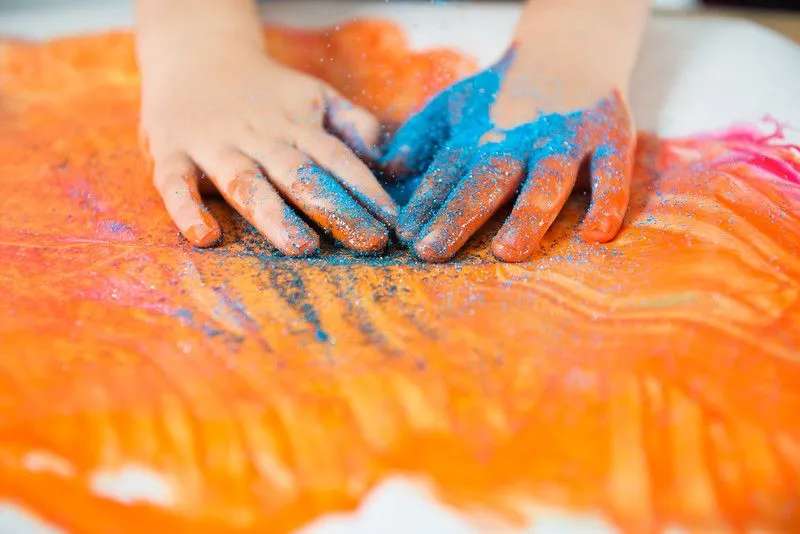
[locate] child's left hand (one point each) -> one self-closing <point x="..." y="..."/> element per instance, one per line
<point x="495" y="134"/>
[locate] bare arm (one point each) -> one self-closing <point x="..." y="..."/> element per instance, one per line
<point x="168" y="28"/>
<point x="583" y="48"/>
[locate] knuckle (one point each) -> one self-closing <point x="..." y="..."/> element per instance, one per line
<point x="291" y="132"/>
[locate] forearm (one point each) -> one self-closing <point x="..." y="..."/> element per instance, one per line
<point x="163" y="26"/>
<point x="594" y="39"/>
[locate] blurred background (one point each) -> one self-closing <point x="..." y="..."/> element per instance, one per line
<point x="780" y="15"/>
<point x="787" y="5"/>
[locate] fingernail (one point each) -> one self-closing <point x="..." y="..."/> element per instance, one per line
<point x="302" y="250"/>
<point x="368" y="240"/>
<point x="304" y="243"/>
<point x="202" y="236"/>
<point x="508" y="252"/>
<point x="431" y="248"/>
<point x="599" y="230"/>
<point x="604" y="225"/>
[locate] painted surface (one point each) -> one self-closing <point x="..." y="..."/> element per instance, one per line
<point x="145" y="384"/>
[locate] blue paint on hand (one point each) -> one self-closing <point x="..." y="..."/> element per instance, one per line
<point x="450" y="150"/>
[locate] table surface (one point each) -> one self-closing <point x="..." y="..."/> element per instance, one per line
<point x="786" y="23"/>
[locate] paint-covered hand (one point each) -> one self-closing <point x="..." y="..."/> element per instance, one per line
<point x="480" y="143"/>
<point x="263" y="135"/>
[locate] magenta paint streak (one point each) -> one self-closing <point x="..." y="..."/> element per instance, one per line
<point x="747" y="143"/>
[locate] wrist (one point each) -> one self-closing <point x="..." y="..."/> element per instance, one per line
<point x="175" y="29"/>
<point x="587" y="41"/>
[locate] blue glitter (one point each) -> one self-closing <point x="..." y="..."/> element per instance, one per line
<point x="458" y="117"/>
<point x="446" y="145"/>
<point x="462" y="166"/>
<point x="184" y="314"/>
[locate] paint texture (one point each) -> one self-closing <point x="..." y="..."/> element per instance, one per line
<point x="654" y="380"/>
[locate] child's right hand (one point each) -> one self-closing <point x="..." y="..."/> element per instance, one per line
<point x="257" y="131"/>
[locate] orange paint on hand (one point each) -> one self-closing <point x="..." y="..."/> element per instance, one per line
<point x="654" y="379"/>
<point x="474" y="200"/>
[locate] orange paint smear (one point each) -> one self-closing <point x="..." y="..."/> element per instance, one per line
<point x="371" y="64"/>
<point x="654" y="379"/>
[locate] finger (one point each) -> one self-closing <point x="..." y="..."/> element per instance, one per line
<point x="317" y="194"/>
<point x="175" y="178"/>
<point x="489" y="184"/>
<point x="610" y="172"/>
<point x="549" y="184"/>
<point x="437" y="183"/>
<point x="418" y="140"/>
<point x="334" y="156"/>
<point x="354" y="125"/>
<point x="245" y="188"/>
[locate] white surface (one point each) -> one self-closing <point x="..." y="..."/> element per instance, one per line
<point x="133" y="484"/>
<point x="45" y="462"/>
<point x="696" y="75"/>
<point x="16" y="520"/>
<point x="693" y="75"/>
<point x="398" y="506"/>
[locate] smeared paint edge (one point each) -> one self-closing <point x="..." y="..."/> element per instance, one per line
<point x="399" y="506"/>
<point x="46" y="462"/>
<point x="15" y="519"/>
<point x="769" y="131"/>
<point x="133" y="484"/>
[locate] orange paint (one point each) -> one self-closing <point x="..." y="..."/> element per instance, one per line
<point x="655" y="379"/>
<point x="492" y="185"/>
<point x="365" y="54"/>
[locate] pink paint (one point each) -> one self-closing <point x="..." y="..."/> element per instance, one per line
<point x="747" y="143"/>
<point x="748" y="133"/>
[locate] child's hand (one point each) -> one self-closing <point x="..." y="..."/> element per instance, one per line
<point x="526" y="125"/>
<point x="257" y="131"/>
<point x="477" y="149"/>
